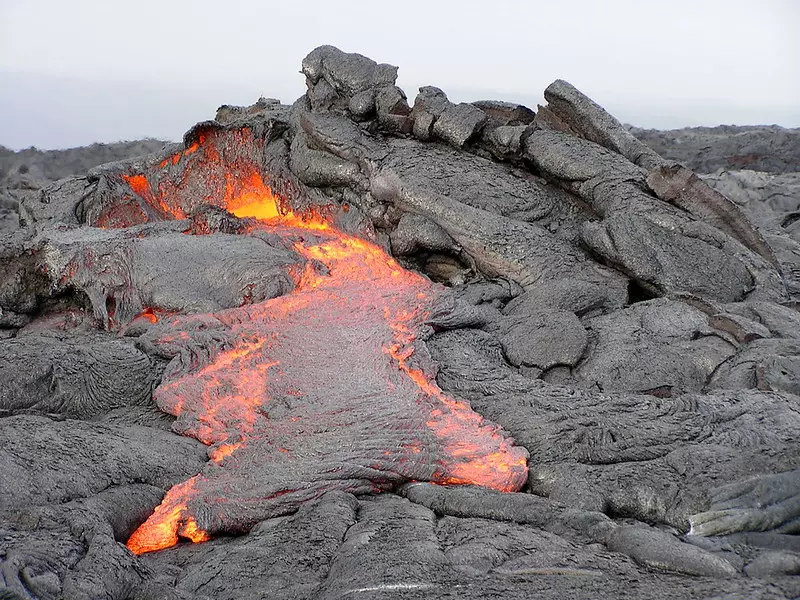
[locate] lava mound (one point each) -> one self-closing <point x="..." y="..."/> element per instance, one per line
<point x="369" y="348"/>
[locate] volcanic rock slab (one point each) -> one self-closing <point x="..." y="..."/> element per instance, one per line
<point x="304" y="338"/>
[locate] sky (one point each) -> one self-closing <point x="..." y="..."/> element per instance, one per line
<point x="79" y="71"/>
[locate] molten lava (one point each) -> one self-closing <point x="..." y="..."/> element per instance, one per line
<point x="320" y="389"/>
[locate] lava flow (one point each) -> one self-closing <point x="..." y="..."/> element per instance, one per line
<point x="317" y="390"/>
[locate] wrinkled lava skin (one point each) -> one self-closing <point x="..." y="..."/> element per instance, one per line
<point x="317" y="390"/>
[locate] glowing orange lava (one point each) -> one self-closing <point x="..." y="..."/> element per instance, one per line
<point x="148" y="315"/>
<point x="168" y="522"/>
<point x="361" y="305"/>
<point x="141" y="186"/>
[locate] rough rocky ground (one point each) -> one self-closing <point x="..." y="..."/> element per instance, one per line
<point x="25" y="172"/>
<point x="634" y="330"/>
<point x="770" y="149"/>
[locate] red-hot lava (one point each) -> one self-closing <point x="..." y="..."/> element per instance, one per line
<point x="319" y="389"/>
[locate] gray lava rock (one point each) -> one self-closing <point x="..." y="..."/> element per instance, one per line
<point x="429" y="104"/>
<point x="415" y="232"/>
<point x="592" y="121"/>
<point x="337" y="79"/>
<point x="284" y="558"/>
<point x="638" y="456"/>
<point x="504" y="142"/>
<point x="459" y="123"/>
<point x="78" y="376"/>
<point x="573" y="295"/>
<point x="124" y="271"/>
<point x="502" y="114"/>
<point x="435" y="117"/>
<point x="543" y="339"/>
<point x="659" y="346"/>
<point x="767" y="364"/>
<point x="763" y="503"/>
<point x="662" y="249"/>
<point x="393" y="110"/>
<point x="774" y="564"/>
<point x="781" y="321"/>
<point x="659" y="550"/>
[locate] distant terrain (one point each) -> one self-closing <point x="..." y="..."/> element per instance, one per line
<point x="770" y="148"/>
<point x="51" y="165"/>
<point x="27" y="171"/>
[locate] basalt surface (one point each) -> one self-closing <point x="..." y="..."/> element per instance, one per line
<point x="358" y="347"/>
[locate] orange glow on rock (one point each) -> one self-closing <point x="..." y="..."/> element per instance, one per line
<point x="371" y="310"/>
<point x="148" y="315"/>
<point x="221" y="452"/>
<point x="138" y="184"/>
<point x="252" y="199"/>
<point x="141" y="186"/>
<point x="167" y="523"/>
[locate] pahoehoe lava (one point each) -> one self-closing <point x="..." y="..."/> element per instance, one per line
<point x="314" y="391"/>
<point x="361" y="347"/>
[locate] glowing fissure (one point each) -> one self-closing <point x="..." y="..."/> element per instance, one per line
<point x="362" y="310"/>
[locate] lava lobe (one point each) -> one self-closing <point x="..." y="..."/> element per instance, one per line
<point x="316" y="390"/>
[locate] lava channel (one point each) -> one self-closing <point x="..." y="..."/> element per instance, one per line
<point x="322" y="389"/>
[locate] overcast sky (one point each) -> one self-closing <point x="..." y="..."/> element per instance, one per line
<point x="73" y="72"/>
